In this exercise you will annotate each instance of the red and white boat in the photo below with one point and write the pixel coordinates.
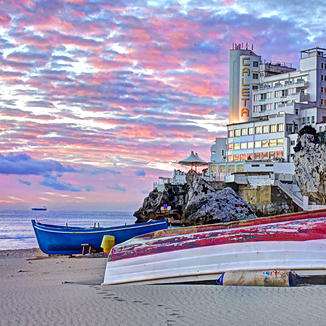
(286, 242)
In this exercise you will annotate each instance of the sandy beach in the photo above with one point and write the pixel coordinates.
(67, 291)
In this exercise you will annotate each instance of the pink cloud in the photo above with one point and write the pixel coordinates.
(178, 40)
(4, 19)
(140, 36)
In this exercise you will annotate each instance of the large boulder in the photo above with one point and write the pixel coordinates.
(310, 165)
(196, 202)
(206, 205)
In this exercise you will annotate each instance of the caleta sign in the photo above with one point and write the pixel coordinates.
(245, 87)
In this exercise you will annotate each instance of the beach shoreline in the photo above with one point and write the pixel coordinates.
(38, 289)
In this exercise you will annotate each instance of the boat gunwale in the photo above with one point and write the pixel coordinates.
(80, 230)
(222, 226)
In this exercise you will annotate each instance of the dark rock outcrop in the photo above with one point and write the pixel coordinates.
(173, 196)
(195, 203)
(310, 164)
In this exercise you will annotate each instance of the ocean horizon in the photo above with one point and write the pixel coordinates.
(16, 231)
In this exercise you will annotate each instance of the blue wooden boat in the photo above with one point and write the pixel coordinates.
(66, 240)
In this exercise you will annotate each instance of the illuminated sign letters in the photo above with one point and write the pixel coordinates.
(245, 87)
(245, 111)
(245, 59)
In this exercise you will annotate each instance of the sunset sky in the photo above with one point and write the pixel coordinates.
(100, 97)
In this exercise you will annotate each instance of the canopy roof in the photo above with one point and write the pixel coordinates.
(193, 160)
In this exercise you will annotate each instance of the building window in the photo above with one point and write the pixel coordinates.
(265, 129)
(236, 158)
(272, 142)
(308, 120)
(257, 156)
(250, 144)
(296, 111)
(257, 108)
(322, 77)
(254, 87)
(296, 127)
(280, 142)
(322, 65)
(265, 143)
(258, 130)
(231, 168)
(237, 133)
(269, 95)
(272, 128)
(264, 155)
(243, 145)
(289, 127)
(324, 119)
(222, 168)
(313, 119)
(230, 158)
(251, 131)
(257, 144)
(254, 76)
(280, 154)
(230, 147)
(284, 92)
(322, 89)
(236, 146)
(321, 101)
(303, 120)
(255, 63)
(269, 107)
(271, 155)
(256, 97)
(243, 157)
(280, 127)
(240, 168)
(244, 132)
(213, 168)
(292, 142)
(250, 156)
(255, 165)
(230, 133)
(324, 102)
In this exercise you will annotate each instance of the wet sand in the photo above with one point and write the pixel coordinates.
(67, 291)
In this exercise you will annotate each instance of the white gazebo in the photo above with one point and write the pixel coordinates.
(193, 160)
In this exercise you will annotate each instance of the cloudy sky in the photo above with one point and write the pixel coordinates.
(98, 98)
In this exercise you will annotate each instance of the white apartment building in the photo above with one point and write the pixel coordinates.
(269, 102)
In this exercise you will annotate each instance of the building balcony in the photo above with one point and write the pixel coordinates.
(301, 83)
(284, 85)
(285, 105)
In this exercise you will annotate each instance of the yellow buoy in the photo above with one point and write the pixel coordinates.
(108, 243)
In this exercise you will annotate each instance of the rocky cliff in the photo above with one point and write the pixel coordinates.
(310, 164)
(194, 203)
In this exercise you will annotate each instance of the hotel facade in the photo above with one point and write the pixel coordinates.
(269, 102)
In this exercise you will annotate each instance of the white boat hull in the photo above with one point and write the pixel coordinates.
(294, 242)
(208, 263)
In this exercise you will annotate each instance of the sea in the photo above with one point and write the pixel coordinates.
(16, 231)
